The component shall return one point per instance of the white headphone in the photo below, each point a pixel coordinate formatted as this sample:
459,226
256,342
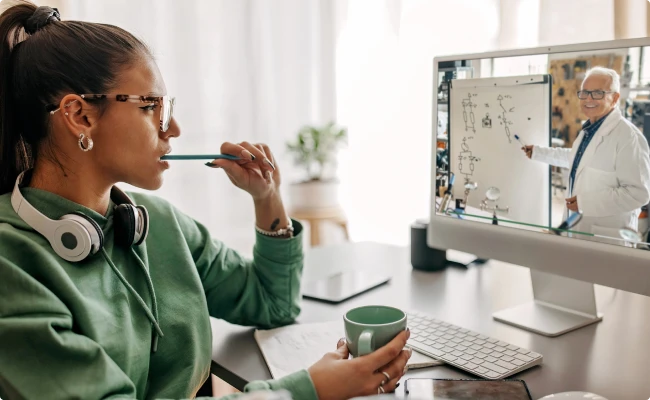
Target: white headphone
75,236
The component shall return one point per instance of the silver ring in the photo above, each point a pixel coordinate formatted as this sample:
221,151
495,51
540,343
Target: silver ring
380,390
386,375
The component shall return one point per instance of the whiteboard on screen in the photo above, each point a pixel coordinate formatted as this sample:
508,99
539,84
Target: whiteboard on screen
485,115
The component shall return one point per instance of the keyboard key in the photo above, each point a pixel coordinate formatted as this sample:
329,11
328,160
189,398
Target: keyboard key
499,349
429,342
523,357
509,353
471,366
470,351
481,370
473,334
480,355
448,337
475,347
534,355
491,340
436,352
502,344
496,354
507,358
457,353
466,357
447,349
485,351
490,359
466,343
506,365
463,330
469,338
449,358
491,374
523,351
460,362
476,361
442,341
516,362
512,347
439,346
483,337
457,340
479,341
489,345
461,348
495,368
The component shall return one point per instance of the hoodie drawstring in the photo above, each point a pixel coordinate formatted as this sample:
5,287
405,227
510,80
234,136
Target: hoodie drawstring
153,318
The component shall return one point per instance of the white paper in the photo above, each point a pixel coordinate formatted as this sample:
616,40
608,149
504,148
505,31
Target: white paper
292,348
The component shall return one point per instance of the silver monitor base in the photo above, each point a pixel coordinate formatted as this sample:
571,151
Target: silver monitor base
560,305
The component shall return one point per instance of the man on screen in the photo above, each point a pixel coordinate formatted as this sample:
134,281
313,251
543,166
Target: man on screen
609,179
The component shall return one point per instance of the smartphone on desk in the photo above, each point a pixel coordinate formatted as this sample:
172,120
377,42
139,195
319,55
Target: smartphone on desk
466,389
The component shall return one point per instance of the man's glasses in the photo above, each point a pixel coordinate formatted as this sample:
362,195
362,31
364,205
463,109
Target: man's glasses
595,94
166,104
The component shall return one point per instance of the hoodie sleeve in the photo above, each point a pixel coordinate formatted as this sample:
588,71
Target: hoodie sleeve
262,291
44,357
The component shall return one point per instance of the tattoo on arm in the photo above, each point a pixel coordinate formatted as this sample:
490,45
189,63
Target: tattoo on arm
275,224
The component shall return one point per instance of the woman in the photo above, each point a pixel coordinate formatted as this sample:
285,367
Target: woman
106,295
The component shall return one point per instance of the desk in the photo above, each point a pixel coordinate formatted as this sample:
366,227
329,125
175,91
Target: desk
610,358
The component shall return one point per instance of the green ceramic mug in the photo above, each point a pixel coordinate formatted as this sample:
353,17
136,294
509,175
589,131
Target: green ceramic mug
371,327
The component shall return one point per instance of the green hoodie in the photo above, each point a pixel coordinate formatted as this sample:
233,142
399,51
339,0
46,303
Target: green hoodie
73,330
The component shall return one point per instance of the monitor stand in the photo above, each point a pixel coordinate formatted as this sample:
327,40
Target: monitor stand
560,305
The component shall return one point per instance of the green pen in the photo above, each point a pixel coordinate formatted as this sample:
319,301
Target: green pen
199,157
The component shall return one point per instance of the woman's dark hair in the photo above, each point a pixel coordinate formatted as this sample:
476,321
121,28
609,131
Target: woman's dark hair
42,59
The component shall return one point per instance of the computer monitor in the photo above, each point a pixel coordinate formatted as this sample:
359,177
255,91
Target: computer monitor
506,206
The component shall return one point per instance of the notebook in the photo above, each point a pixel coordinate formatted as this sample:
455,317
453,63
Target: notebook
295,347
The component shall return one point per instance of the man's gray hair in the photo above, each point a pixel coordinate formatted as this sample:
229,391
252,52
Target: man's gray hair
615,83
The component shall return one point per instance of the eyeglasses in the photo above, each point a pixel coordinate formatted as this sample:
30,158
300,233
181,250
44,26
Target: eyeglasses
166,104
595,94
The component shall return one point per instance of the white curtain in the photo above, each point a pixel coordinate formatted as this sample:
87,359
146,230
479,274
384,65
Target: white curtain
240,70
384,82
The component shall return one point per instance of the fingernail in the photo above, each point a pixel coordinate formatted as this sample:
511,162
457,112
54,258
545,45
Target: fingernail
406,368
248,154
410,352
341,342
396,386
270,163
209,164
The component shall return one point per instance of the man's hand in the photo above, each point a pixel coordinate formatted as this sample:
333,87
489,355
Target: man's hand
528,150
572,203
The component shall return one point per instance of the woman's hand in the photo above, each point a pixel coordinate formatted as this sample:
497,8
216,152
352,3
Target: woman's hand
257,172
335,377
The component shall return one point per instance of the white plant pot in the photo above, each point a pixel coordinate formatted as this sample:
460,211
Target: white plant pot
314,195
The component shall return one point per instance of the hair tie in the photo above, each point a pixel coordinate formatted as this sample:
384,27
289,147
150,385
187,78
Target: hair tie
41,17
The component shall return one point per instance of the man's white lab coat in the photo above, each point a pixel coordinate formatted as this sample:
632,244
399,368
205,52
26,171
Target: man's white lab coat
612,182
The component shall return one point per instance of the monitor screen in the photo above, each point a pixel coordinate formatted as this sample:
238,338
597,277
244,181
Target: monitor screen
552,143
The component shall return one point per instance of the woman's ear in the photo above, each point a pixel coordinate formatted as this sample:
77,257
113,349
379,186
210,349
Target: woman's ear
78,116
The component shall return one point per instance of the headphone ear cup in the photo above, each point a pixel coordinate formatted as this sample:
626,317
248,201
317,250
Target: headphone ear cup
77,237
125,224
143,230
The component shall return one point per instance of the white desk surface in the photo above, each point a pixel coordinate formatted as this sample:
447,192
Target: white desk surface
610,358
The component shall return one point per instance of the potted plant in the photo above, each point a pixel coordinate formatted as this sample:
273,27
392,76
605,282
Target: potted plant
314,150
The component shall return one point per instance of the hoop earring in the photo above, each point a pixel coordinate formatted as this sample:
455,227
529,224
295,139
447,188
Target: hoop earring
85,147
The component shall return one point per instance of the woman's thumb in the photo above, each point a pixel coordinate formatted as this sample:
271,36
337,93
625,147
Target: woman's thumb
342,349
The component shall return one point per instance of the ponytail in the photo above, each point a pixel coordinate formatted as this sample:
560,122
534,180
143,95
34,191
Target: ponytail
15,154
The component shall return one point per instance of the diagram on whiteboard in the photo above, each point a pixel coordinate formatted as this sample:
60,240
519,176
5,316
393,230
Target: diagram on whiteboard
487,121
466,160
468,112
505,119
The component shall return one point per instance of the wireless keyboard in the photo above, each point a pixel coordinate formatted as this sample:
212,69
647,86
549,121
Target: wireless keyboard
478,354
